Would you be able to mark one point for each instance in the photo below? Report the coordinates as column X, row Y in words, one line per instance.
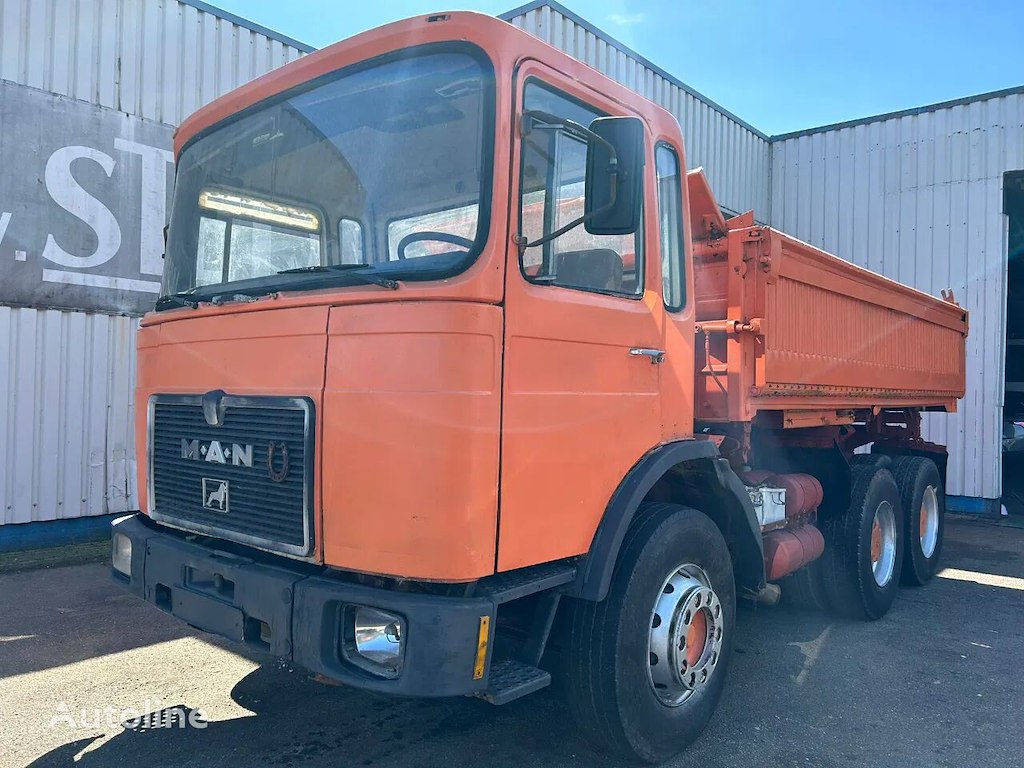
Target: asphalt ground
column 938, row 682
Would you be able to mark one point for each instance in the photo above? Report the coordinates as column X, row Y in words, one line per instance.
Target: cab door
column 583, row 336
column 677, row 375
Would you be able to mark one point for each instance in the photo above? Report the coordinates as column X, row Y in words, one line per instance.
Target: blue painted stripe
column 972, row 505
column 54, row 533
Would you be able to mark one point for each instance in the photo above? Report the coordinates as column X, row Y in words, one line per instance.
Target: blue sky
column 781, row 65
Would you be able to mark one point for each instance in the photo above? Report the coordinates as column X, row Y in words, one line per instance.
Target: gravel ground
column 937, row 682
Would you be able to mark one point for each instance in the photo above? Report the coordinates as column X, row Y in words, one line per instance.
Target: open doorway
column 1013, row 403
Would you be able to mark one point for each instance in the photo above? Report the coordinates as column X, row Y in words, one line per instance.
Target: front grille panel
column 254, row 507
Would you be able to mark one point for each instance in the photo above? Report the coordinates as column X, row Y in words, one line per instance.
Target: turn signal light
column 121, row 554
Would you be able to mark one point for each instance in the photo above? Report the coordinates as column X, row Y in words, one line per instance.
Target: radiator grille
column 217, row 479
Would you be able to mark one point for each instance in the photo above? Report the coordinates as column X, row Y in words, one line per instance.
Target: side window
column 350, row 240
column 257, row 249
column 210, row 253
column 429, row 234
column 552, row 181
column 251, row 249
column 670, row 220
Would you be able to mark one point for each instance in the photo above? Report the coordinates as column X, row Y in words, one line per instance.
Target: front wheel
column 648, row 664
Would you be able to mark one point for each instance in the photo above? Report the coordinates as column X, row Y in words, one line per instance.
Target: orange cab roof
column 501, row 40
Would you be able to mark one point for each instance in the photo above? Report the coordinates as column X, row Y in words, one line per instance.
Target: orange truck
column 459, row 379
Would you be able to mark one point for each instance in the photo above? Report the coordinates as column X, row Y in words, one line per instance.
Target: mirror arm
column 523, row 243
column 548, row 121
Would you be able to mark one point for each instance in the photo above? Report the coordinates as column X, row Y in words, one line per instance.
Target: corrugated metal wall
column 66, row 426
column 156, row 59
column 66, row 378
column 918, row 197
column 734, row 155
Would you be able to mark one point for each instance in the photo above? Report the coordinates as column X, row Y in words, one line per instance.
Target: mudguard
column 724, row 498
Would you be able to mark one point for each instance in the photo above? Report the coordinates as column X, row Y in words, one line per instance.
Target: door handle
column 656, row 355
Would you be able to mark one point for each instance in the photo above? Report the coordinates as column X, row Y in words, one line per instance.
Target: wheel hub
column 685, row 636
column 929, row 521
column 883, row 544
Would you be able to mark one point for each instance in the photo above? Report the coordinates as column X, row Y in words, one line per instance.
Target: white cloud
column 627, row 19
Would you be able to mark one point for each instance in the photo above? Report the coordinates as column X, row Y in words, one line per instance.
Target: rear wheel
column 875, row 460
column 648, row 663
column 925, row 504
column 864, row 546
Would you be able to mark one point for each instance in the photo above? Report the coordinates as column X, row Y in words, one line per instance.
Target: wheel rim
column 685, row 641
column 929, row 521
column 883, row 543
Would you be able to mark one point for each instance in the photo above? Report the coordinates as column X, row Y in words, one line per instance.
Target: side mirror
column 614, row 183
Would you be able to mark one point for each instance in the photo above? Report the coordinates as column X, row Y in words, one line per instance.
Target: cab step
column 512, row 585
column 511, row 679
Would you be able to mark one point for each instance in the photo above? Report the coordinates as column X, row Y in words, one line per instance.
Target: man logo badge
column 215, row 453
column 215, row 494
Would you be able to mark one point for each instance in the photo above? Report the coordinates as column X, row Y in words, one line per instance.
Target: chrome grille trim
column 302, row 404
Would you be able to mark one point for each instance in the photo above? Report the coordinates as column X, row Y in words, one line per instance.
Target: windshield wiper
column 180, row 299
column 350, row 269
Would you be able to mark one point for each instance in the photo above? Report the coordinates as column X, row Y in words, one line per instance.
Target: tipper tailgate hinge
column 752, row 252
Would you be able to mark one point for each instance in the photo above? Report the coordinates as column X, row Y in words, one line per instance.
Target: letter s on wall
column 70, row 196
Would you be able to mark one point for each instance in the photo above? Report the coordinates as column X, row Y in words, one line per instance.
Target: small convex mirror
column 614, row 183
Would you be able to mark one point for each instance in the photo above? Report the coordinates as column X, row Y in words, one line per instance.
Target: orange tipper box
column 810, row 331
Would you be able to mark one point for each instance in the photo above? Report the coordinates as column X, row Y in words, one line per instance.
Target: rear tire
column 675, row 562
column 864, row 546
column 877, row 460
column 924, row 502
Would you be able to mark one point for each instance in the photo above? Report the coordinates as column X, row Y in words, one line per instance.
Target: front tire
column 647, row 665
column 864, row 546
column 925, row 504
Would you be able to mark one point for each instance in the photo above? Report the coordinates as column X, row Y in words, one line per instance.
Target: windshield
column 385, row 165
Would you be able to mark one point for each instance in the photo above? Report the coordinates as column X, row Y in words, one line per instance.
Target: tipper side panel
column 783, row 326
column 837, row 330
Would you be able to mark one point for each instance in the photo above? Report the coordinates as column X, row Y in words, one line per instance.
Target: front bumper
column 300, row 617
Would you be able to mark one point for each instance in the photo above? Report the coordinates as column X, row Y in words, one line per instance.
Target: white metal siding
column 157, row 59
column 918, row 198
column 67, row 378
column 735, row 158
column 915, row 197
column 66, row 442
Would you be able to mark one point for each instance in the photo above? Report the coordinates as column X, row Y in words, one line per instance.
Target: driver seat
column 595, row 268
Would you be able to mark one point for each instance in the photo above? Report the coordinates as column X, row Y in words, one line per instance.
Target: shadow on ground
column 935, row 683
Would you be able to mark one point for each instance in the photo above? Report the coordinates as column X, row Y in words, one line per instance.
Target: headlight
column 379, row 639
column 121, row 554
